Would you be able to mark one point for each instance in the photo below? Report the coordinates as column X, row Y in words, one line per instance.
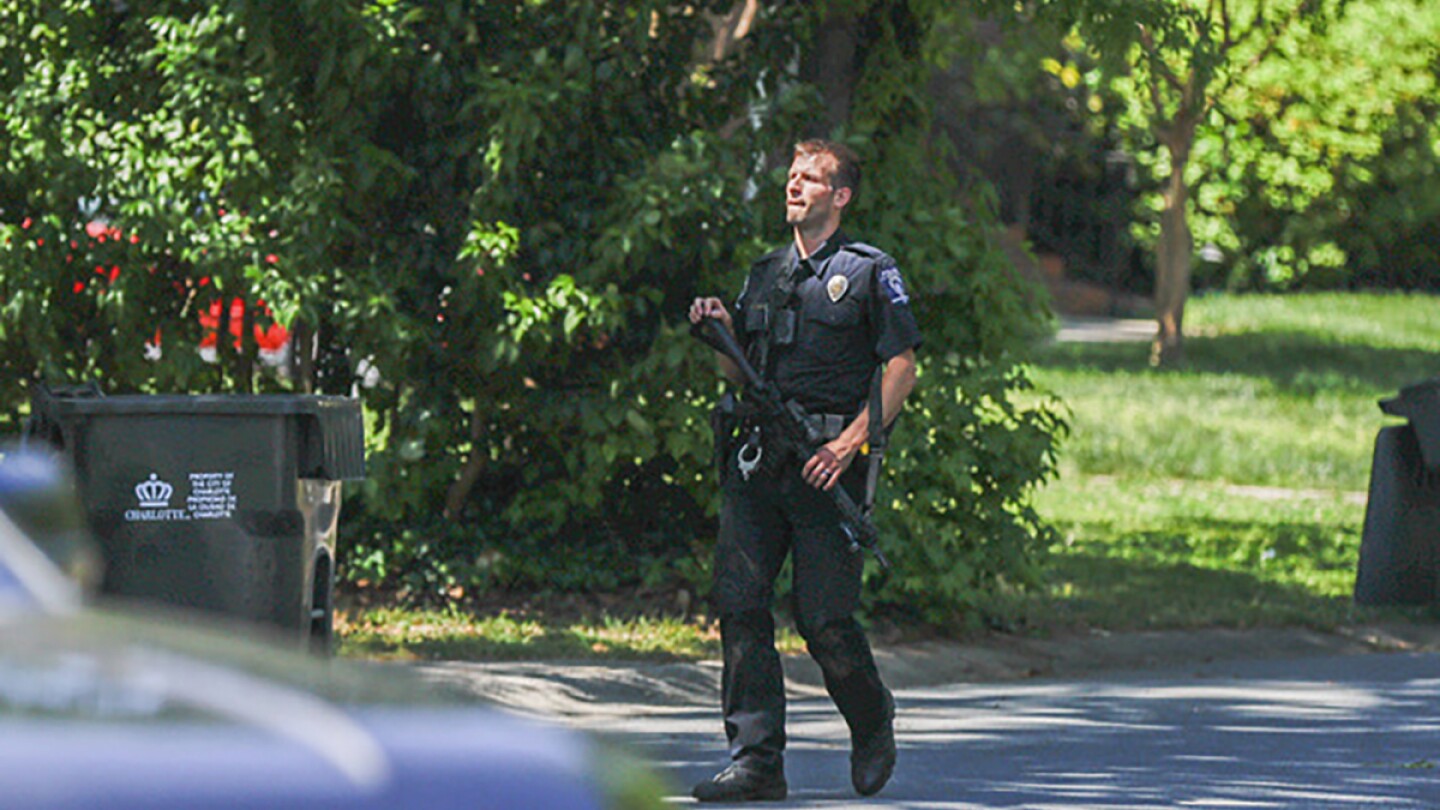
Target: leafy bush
column 487, row 220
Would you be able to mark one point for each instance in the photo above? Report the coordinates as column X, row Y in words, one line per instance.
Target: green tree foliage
column 1173, row 62
column 1331, row 157
column 488, row 220
column 1387, row 208
column 1249, row 116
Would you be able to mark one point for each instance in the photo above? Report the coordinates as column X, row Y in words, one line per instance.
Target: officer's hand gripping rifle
column 794, row 432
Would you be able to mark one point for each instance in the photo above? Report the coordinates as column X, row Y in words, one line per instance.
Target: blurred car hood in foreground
column 103, row 708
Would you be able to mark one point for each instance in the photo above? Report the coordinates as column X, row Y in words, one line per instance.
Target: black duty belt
column 824, row 426
column 829, row 426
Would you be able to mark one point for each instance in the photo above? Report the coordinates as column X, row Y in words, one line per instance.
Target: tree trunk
column 731, row 29
column 1172, row 267
column 302, row 357
column 459, row 492
column 833, row 66
column 245, row 359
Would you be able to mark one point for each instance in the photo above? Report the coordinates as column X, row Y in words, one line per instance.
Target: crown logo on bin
column 154, row 494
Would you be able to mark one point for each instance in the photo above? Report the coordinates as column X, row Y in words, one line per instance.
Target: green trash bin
column 222, row 503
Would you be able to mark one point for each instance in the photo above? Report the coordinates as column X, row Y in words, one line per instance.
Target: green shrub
column 488, row 221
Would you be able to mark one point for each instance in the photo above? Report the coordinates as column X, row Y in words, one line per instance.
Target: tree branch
column 1147, row 41
column 733, row 27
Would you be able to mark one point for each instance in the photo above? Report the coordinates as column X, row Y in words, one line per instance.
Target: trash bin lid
column 1420, row 403
column 1415, row 401
column 208, row 404
column 332, row 427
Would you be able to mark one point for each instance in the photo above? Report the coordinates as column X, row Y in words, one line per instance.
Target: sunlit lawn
column 1228, row 490
column 394, row 633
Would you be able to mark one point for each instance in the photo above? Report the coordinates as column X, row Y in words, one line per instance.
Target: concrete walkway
column 1075, row 329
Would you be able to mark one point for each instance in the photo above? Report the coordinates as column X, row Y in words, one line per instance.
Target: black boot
column 746, row 780
column 872, row 755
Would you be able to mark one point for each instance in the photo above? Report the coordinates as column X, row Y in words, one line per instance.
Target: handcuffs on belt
column 748, row 459
column 823, row 427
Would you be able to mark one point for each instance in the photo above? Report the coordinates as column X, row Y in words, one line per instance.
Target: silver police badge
column 836, row 287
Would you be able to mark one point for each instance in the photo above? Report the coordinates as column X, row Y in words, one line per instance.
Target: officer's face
column 810, row 199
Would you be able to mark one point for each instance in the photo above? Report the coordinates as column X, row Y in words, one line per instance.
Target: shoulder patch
column 894, row 285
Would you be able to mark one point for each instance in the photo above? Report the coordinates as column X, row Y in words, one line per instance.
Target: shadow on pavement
column 1316, row 733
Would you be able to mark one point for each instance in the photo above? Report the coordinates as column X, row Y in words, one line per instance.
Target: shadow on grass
column 1297, row 361
column 1201, row 571
column 1119, row 594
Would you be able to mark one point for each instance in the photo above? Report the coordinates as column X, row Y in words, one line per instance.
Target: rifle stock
column 858, row 527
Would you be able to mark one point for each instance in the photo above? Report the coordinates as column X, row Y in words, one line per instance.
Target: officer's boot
column 753, row 700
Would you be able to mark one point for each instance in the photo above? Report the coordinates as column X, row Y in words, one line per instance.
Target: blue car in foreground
column 113, row 709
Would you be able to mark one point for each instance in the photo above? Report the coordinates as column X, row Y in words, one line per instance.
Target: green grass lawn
column 1226, row 491
column 454, row 634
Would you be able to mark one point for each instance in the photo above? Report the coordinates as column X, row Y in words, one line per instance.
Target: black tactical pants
column 773, row 514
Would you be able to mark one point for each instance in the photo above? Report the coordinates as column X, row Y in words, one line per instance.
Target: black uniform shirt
column 852, row 312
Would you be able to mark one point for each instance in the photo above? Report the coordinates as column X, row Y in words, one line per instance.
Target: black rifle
column 795, row 432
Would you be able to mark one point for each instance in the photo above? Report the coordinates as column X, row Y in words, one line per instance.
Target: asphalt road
column 1335, row 731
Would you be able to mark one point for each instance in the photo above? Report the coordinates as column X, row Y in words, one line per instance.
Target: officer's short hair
column 847, row 163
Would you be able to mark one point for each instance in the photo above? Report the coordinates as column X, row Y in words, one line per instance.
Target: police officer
column 817, row 318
